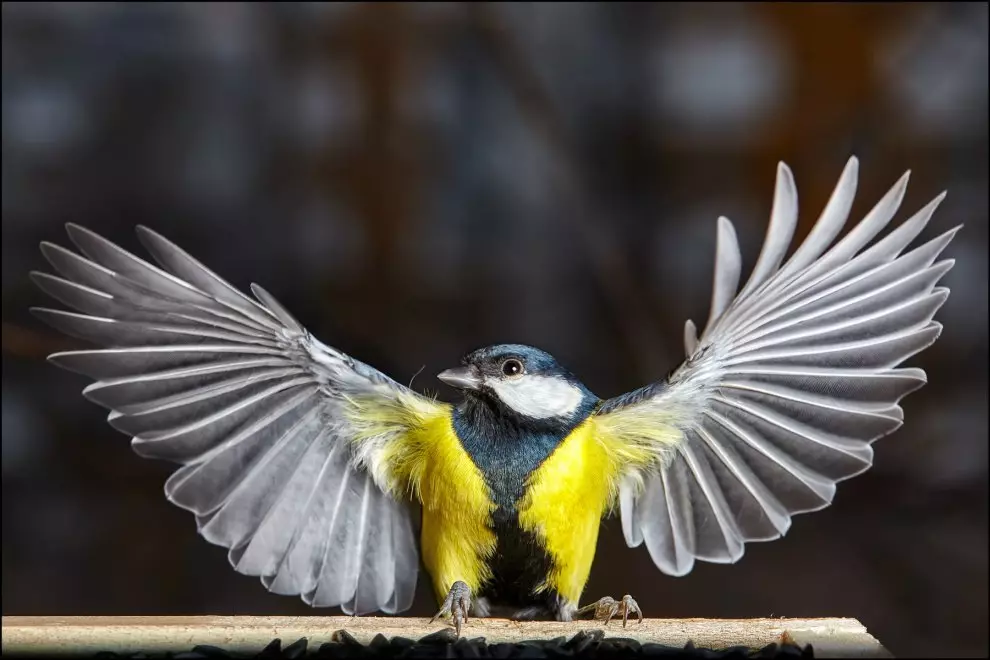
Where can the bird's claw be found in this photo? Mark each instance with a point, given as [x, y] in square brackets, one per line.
[456, 604]
[607, 607]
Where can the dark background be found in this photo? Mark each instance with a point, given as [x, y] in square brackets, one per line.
[416, 181]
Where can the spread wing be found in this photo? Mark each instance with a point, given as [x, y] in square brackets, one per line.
[789, 384]
[280, 438]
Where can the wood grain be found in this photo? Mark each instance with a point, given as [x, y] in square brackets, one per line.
[31, 635]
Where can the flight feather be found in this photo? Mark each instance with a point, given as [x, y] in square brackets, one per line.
[280, 439]
[790, 382]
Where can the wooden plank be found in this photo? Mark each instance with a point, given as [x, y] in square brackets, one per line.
[32, 635]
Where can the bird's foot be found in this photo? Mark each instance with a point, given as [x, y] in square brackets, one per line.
[456, 604]
[607, 607]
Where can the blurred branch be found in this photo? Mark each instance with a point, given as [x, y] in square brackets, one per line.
[607, 256]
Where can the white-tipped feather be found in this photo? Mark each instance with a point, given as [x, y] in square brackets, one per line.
[791, 381]
[783, 221]
[184, 266]
[690, 337]
[252, 407]
[728, 266]
[829, 223]
[281, 312]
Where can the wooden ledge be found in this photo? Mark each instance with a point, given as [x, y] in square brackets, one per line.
[41, 635]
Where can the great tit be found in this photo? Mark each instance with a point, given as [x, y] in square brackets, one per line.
[330, 480]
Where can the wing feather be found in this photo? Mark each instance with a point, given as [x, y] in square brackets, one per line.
[791, 381]
[275, 460]
[728, 266]
[127, 391]
[187, 268]
[783, 220]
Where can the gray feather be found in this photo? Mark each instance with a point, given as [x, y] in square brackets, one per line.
[728, 266]
[251, 406]
[791, 382]
[126, 265]
[718, 538]
[78, 296]
[99, 304]
[786, 285]
[176, 410]
[264, 554]
[195, 436]
[864, 231]
[192, 271]
[134, 361]
[406, 561]
[690, 337]
[666, 519]
[203, 484]
[852, 281]
[861, 386]
[139, 333]
[133, 295]
[121, 393]
[376, 577]
[283, 314]
[783, 220]
[829, 223]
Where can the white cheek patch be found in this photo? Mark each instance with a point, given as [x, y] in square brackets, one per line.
[538, 397]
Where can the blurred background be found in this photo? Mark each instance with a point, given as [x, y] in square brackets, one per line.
[415, 181]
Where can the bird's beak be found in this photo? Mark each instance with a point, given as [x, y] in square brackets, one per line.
[463, 378]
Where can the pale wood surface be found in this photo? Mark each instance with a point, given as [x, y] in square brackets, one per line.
[845, 638]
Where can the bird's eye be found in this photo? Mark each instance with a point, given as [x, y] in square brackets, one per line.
[512, 368]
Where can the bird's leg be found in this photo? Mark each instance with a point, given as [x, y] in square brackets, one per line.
[607, 607]
[456, 604]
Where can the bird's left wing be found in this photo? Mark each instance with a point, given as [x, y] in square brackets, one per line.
[284, 442]
[788, 386]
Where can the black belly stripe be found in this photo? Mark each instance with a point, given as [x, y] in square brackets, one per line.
[506, 449]
[519, 566]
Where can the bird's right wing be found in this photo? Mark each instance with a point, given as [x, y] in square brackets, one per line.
[284, 442]
[792, 380]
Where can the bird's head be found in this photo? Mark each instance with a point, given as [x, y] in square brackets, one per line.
[526, 380]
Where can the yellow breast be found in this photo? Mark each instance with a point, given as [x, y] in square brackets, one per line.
[456, 539]
[564, 503]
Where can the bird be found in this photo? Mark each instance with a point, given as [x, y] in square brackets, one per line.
[332, 481]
